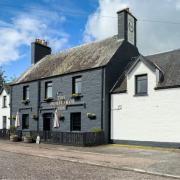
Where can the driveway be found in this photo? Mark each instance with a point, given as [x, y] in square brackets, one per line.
[162, 162]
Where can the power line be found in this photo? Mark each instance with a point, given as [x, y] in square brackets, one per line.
[83, 14]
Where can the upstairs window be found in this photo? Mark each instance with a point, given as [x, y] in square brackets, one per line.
[25, 121]
[48, 90]
[25, 92]
[4, 101]
[76, 85]
[141, 84]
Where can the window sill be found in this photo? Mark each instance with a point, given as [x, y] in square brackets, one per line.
[50, 99]
[4, 107]
[140, 95]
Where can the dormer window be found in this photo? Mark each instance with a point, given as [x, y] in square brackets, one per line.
[26, 93]
[141, 84]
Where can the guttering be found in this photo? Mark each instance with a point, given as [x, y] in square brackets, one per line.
[59, 75]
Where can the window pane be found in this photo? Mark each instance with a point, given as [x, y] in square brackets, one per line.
[4, 101]
[25, 92]
[75, 121]
[48, 90]
[141, 84]
[77, 85]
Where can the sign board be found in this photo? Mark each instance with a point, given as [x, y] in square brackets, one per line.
[62, 103]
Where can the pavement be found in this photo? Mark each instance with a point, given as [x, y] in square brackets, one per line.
[145, 160]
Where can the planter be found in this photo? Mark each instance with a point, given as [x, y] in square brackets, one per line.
[48, 100]
[76, 96]
[28, 139]
[14, 138]
[25, 102]
[91, 115]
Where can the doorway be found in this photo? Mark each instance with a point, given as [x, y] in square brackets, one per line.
[47, 118]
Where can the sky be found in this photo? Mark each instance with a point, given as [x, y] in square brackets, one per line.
[68, 23]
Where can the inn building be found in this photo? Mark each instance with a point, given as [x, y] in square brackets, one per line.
[79, 79]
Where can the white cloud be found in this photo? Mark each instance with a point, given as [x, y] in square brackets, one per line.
[152, 37]
[101, 23]
[24, 28]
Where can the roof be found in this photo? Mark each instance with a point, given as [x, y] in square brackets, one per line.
[5, 87]
[88, 56]
[168, 63]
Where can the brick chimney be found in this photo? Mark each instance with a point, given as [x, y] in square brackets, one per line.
[39, 49]
[127, 26]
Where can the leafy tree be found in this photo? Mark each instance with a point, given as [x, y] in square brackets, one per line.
[2, 76]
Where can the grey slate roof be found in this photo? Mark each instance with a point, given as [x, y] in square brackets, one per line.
[169, 64]
[6, 87]
[88, 56]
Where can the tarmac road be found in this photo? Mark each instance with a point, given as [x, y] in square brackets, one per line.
[21, 166]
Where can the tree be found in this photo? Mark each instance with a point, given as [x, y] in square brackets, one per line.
[2, 76]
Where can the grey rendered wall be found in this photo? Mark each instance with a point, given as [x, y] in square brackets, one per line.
[31, 108]
[91, 91]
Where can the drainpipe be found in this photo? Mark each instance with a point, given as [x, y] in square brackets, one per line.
[38, 105]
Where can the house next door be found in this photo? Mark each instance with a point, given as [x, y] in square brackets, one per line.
[47, 118]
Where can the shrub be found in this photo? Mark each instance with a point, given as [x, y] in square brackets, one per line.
[96, 130]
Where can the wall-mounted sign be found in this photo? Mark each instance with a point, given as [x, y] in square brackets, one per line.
[62, 102]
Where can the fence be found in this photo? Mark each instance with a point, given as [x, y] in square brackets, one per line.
[4, 134]
[66, 138]
[73, 138]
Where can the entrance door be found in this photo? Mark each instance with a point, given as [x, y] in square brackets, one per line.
[47, 126]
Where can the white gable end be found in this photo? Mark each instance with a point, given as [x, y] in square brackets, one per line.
[154, 117]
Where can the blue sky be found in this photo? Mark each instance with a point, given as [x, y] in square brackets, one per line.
[67, 23]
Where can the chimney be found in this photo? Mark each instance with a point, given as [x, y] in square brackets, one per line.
[39, 49]
[127, 26]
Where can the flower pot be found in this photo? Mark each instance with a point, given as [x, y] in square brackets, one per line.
[14, 138]
[28, 139]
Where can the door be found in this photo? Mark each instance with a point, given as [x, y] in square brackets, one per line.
[4, 122]
[47, 117]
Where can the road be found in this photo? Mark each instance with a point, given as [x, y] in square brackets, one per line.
[21, 166]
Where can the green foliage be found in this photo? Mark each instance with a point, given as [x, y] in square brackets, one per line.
[12, 130]
[96, 130]
[2, 76]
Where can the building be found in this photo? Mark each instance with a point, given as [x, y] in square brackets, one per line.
[145, 102]
[81, 77]
[5, 107]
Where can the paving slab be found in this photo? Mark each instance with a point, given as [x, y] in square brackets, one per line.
[146, 160]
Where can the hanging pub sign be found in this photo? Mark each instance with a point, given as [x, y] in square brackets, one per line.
[62, 102]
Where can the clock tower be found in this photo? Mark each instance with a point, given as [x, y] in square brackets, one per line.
[127, 26]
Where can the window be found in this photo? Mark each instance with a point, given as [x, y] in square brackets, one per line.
[75, 121]
[25, 92]
[4, 101]
[76, 86]
[4, 122]
[48, 90]
[141, 84]
[25, 121]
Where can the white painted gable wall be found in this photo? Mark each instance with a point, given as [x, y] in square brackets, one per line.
[155, 117]
[4, 111]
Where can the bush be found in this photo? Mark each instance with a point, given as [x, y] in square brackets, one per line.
[96, 130]
[12, 130]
